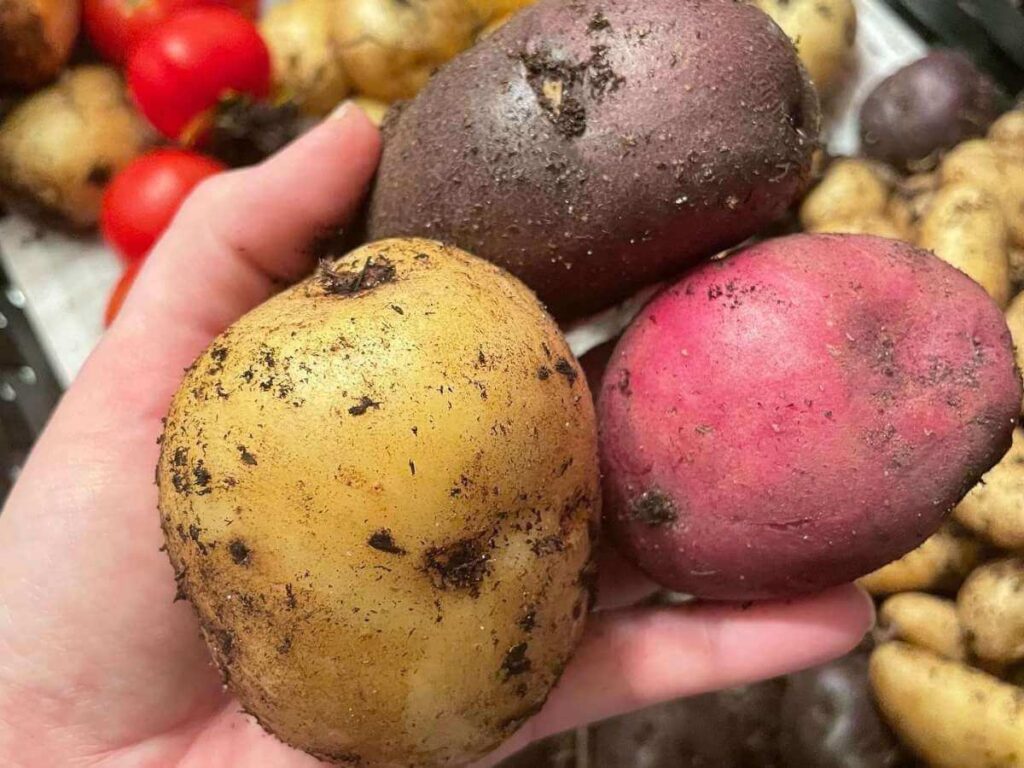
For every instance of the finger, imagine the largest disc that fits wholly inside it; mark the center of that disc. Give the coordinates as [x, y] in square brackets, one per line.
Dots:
[236, 239]
[635, 658]
[619, 582]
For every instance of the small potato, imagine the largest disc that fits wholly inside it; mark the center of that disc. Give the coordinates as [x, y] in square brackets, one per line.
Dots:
[60, 147]
[494, 26]
[879, 224]
[990, 605]
[380, 490]
[994, 509]
[977, 162]
[953, 716]
[850, 189]
[375, 109]
[927, 621]
[305, 54]
[965, 227]
[928, 107]
[36, 38]
[940, 564]
[823, 32]
[390, 48]
[1008, 132]
[829, 720]
[1016, 259]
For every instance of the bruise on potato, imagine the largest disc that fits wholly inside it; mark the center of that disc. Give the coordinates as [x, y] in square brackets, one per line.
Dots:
[813, 407]
[593, 158]
[366, 613]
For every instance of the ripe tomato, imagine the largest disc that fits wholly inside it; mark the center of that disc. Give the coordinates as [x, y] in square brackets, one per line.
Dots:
[190, 62]
[116, 26]
[143, 198]
[120, 292]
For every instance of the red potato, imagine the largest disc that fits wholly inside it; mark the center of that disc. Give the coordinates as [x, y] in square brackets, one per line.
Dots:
[801, 413]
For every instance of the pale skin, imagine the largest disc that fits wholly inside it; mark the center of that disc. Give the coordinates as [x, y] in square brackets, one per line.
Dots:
[100, 668]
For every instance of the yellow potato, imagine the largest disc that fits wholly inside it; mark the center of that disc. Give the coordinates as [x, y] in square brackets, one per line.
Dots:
[379, 491]
[990, 605]
[979, 163]
[927, 621]
[994, 509]
[374, 108]
[1016, 259]
[823, 31]
[60, 147]
[305, 54]
[878, 224]
[940, 564]
[851, 188]
[492, 10]
[1008, 132]
[965, 227]
[390, 48]
[951, 715]
[494, 26]
[36, 38]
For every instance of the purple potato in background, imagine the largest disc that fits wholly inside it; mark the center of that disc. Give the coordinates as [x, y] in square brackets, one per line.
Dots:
[829, 720]
[927, 107]
[597, 146]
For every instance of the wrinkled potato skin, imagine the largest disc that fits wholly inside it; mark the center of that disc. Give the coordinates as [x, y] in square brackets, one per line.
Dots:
[305, 54]
[732, 481]
[390, 48]
[994, 509]
[60, 147]
[596, 147]
[823, 31]
[940, 564]
[36, 38]
[965, 227]
[926, 621]
[382, 506]
[978, 162]
[951, 715]
[851, 188]
[991, 609]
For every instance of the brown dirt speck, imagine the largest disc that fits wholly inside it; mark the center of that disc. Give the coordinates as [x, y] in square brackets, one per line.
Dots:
[338, 282]
[383, 541]
[460, 565]
[566, 369]
[365, 403]
[247, 458]
[516, 661]
[240, 552]
[653, 508]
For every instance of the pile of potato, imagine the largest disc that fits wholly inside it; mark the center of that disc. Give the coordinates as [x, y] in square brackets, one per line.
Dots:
[948, 671]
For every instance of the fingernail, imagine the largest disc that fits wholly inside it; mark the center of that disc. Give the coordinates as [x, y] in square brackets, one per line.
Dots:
[871, 606]
[343, 110]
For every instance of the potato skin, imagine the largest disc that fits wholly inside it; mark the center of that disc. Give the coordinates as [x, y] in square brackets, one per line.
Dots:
[851, 188]
[940, 564]
[382, 503]
[925, 620]
[36, 37]
[991, 608]
[951, 715]
[823, 31]
[927, 107]
[61, 146]
[994, 509]
[595, 147]
[829, 720]
[767, 429]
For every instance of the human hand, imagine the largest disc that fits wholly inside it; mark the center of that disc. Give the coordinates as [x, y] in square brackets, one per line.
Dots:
[98, 665]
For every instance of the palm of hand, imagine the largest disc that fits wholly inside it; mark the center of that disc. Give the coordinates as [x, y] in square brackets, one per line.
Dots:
[98, 667]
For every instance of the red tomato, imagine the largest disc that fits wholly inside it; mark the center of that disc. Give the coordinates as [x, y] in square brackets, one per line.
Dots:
[193, 60]
[143, 198]
[120, 292]
[116, 26]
